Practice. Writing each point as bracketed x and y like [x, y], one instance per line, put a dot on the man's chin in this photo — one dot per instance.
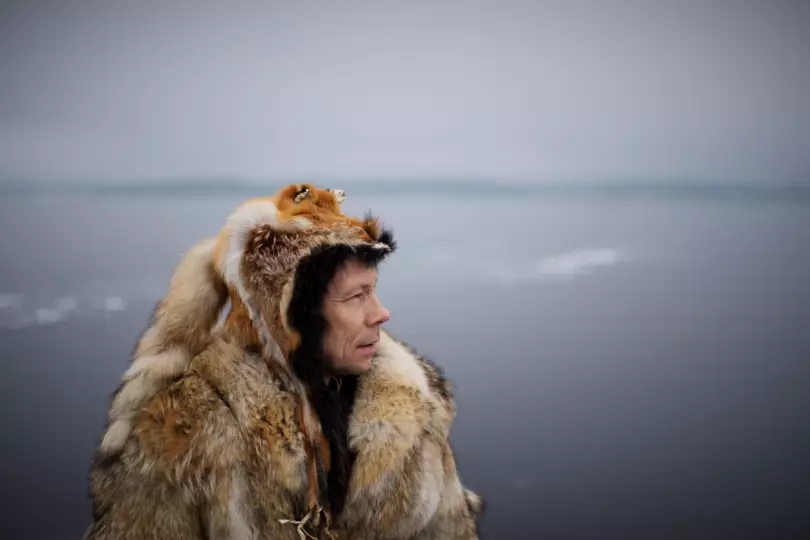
[358, 366]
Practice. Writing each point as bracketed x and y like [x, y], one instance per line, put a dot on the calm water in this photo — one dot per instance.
[624, 369]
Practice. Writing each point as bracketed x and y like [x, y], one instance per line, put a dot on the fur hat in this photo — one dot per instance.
[278, 268]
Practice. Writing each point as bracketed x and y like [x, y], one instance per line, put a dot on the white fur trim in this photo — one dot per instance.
[395, 363]
[158, 366]
[238, 227]
[143, 378]
[430, 491]
[284, 303]
[301, 222]
[116, 435]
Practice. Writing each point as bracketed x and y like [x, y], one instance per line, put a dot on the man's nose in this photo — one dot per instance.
[380, 315]
[385, 315]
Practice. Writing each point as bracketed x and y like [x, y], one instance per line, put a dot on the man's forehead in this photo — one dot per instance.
[353, 273]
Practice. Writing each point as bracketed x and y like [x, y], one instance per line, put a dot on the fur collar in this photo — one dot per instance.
[397, 401]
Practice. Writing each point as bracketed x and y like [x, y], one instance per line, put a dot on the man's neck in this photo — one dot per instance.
[337, 378]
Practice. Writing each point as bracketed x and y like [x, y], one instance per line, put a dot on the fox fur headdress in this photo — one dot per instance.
[271, 261]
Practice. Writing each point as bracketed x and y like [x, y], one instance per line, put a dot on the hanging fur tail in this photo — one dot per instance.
[180, 328]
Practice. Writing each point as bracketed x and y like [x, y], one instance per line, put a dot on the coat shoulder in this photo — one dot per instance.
[182, 447]
[189, 425]
[196, 447]
[184, 428]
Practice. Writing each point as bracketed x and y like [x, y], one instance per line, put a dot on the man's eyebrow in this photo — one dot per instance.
[354, 289]
[360, 287]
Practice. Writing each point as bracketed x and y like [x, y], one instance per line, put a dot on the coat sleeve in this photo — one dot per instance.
[129, 503]
[132, 501]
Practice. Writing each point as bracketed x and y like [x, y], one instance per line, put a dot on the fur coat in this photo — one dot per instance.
[213, 434]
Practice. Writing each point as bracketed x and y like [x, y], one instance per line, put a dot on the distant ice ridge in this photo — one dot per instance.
[99, 298]
[563, 266]
[18, 311]
[574, 263]
[11, 301]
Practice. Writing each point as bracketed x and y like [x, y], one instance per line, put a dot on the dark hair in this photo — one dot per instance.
[333, 402]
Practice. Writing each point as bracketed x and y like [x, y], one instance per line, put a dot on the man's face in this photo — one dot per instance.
[353, 316]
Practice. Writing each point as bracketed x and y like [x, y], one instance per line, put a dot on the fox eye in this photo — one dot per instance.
[301, 195]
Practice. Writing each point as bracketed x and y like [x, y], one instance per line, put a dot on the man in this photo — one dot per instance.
[300, 417]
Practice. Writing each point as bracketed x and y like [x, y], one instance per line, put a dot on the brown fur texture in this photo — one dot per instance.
[211, 434]
[180, 328]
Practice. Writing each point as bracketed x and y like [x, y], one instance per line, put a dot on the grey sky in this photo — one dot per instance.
[550, 90]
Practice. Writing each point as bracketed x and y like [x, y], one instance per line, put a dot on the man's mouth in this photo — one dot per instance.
[369, 345]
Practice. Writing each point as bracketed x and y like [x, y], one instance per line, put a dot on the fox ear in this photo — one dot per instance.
[340, 195]
[371, 225]
[382, 235]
